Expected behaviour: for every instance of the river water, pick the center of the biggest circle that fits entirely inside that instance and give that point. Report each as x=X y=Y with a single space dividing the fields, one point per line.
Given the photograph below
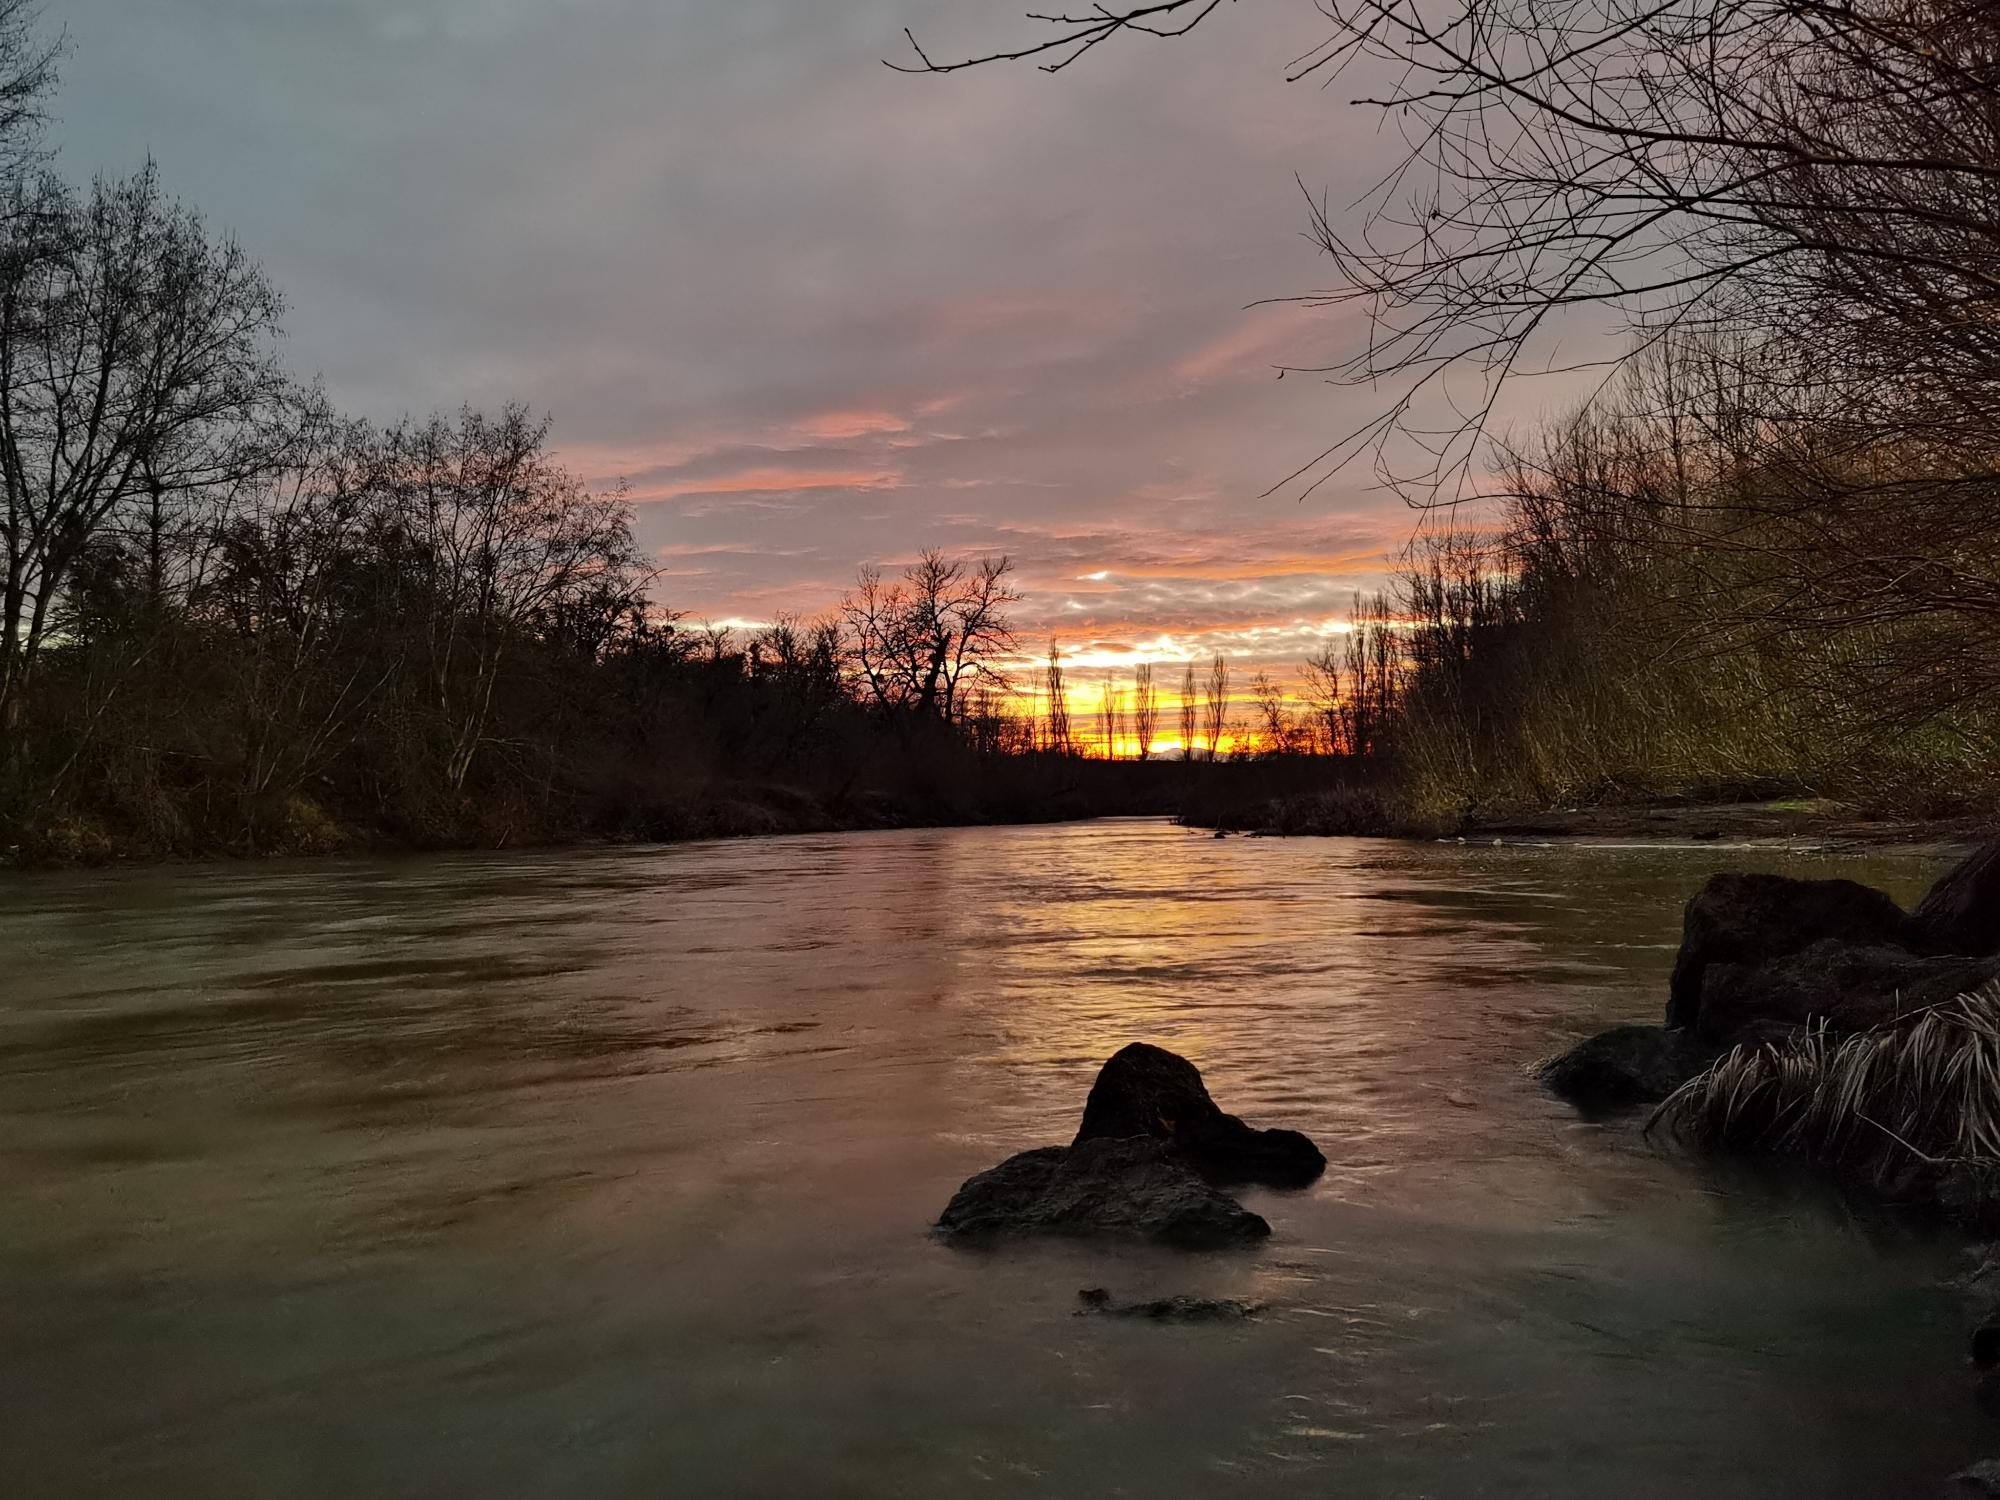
x=608 y=1173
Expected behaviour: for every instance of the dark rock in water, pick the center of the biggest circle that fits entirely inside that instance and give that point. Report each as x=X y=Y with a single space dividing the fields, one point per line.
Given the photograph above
x=1979 y=1482
x=1961 y=913
x=1849 y=987
x=1143 y=1166
x=1626 y=1065
x=1148 y=1091
x=1167 y=1309
x=1753 y=919
x=1120 y=1189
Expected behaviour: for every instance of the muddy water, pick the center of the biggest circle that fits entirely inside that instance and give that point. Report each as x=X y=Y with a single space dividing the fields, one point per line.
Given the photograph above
x=608 y=1173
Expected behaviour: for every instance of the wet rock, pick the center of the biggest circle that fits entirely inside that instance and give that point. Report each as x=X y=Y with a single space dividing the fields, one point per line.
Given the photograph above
x=1626 y=1065
x=1148 y=1091
x=1961 y=913
x=1134 y=1189
x=1848 y=986
x=1753 y=919
x=1976 y=1483
x=1167 y=1309
x=1144 y=1165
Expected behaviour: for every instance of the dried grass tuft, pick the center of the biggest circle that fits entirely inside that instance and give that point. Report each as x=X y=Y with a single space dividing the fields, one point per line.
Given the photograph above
x=1918 y=1092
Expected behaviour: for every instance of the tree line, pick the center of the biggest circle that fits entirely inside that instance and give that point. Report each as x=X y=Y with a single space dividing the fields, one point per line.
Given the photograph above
x=1766 y=553
x=236 y=619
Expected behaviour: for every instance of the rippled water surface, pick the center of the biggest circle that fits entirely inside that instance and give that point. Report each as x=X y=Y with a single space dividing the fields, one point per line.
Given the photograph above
x=609 y=1173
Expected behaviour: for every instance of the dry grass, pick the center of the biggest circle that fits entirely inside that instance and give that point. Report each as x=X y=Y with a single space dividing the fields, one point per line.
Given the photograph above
x=1919 y=1093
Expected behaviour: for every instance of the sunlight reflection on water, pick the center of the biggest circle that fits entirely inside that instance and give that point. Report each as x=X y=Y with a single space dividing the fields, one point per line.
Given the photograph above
x=608 y=1172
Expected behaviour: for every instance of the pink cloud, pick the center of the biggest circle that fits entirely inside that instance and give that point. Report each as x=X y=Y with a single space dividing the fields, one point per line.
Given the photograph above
x=1257 y=342
x=839 y=426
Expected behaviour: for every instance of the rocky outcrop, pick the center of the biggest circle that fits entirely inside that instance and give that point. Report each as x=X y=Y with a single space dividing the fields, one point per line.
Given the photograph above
x=1134 y=1189
x=1626 y=1066
x=1762 y=955
x=1148 y=1091
x=1846 y=987
x=1145 y=1165
x=1752 y=919
x=1961 y=913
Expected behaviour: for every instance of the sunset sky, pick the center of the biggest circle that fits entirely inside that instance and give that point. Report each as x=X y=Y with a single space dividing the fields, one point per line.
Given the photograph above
x=816 y=312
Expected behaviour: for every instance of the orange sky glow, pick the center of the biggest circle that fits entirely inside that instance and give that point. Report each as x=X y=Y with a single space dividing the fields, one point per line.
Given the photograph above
x=1004 y=312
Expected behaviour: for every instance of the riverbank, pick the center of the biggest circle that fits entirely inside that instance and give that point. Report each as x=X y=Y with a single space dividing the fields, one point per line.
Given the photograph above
x=1820 y=822
x=1359 y=810
x=1269 y=799
x=1824 y=1023
x=943 y=794
x=744 y=812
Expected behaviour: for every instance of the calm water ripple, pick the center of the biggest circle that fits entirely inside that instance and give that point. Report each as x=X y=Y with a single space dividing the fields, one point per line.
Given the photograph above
x=608 y=1173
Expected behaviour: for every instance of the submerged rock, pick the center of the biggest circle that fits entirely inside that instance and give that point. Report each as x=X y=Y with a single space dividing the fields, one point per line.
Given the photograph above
x=1626 y=1065
x=1096 y=1299
x=1135 y=1189
x=1961 y=913
x=1144 y=1165
x=1148 y=1091
x=1847 y=986
x=1754 y=919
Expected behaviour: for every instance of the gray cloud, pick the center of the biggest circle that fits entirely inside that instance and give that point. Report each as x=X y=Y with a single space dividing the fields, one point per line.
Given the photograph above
x=817 y=312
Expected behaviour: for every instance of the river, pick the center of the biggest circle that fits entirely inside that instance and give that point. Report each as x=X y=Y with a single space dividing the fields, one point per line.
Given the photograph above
x=608 y=1173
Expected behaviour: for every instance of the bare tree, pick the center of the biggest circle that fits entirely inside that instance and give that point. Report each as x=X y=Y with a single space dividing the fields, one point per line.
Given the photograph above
x=1820 y=171
x=1145 y=710
x=1190 y=707
x=920 y=642
x=135 y=364
x=798 y=662
x=1059 y=738
x=1324 y=697
x=1076 y=35
x=28 y=58
x=504 y=540
x=1279 y=727
x=1111 y=716
x=1215 y=705
x=1374 y=673
x=872 y=615
x=961 y=620
x=288 y=582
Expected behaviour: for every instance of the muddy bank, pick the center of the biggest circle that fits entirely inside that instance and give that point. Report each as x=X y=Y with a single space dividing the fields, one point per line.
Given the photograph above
x=1820 y=823
x=1801 y=823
